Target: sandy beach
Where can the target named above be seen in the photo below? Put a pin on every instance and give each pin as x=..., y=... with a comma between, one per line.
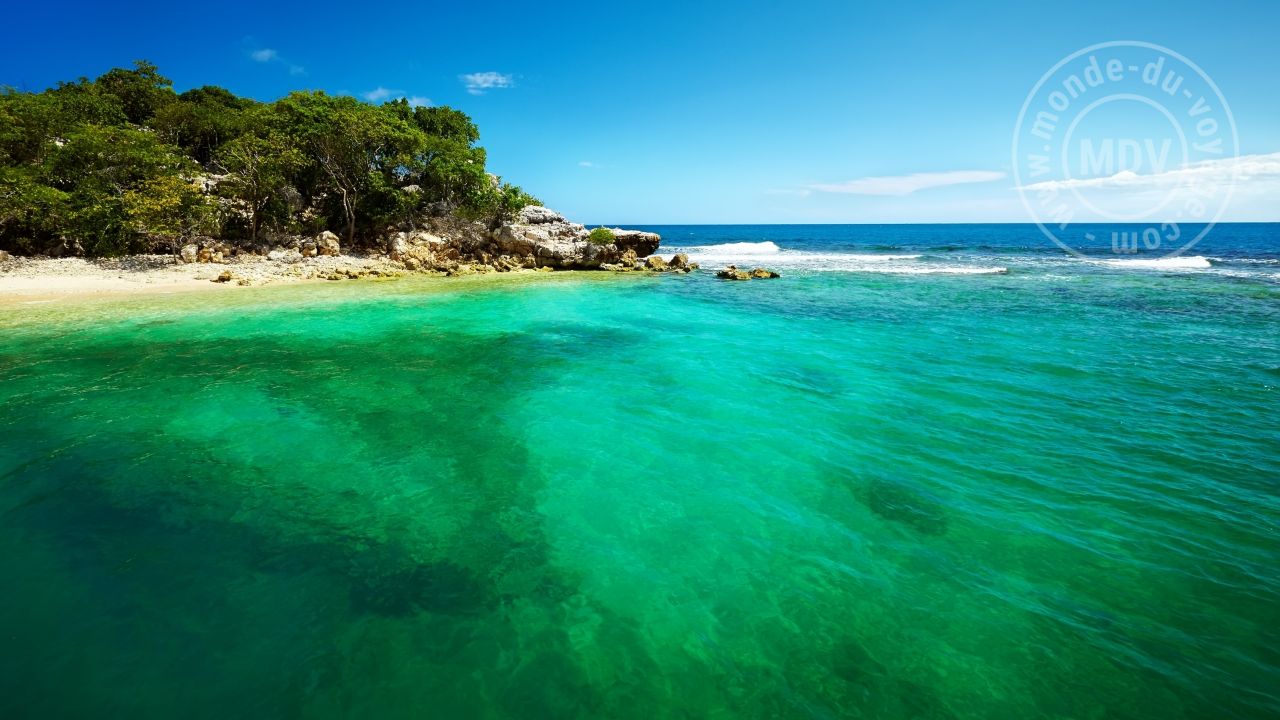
x=29, y=280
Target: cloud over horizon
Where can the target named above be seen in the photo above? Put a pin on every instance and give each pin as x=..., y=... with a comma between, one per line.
x=479, y=82
x=1244, y=171
x=907, y=184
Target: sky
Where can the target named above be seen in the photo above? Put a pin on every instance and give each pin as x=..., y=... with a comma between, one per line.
x=683, y=112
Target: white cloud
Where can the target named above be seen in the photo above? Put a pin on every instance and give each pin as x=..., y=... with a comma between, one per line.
x=419, y=101
x=380, y=93
x=907, y=184
x=1244, y=171
x=270, y=55
x=586, y=163
x=478, y=83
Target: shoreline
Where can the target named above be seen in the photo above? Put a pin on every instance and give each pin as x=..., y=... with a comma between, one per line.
x=43, y=281
x=32, y=281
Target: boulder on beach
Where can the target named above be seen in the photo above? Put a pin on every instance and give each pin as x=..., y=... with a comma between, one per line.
x=327, y=244
x=189, y=253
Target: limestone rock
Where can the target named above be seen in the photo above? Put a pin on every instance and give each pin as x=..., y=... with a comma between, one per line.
x=733, y=273
x=538, y=215
x=290, y=255
x=679, y=261
x=189, y=253
x=763, y=274
x=327, y=244
x=5, y=256
x=308, y=248
x=224, y=276
x=643, y=243
x=545, y=236
x=654, y=262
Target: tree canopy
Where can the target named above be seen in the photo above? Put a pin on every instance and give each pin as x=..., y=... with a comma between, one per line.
x=124, y=164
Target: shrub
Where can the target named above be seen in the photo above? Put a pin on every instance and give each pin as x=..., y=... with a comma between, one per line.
x=602, y=236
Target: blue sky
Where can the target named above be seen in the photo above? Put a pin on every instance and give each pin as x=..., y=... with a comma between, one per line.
x=669, y=112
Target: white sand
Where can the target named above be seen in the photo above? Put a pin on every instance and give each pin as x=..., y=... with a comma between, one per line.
x=27, y=280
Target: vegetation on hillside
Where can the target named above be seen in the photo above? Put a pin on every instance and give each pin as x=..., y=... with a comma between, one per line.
x=123, y=164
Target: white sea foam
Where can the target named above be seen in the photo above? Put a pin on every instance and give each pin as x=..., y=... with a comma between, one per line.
x=750, y=254
x=1195, y=262
x=738, y=248
x=1246, y=261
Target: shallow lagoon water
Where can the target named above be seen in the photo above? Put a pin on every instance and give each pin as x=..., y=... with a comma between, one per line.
x=1047, y=493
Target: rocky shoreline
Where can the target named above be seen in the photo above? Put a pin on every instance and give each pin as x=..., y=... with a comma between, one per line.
x=536, y=240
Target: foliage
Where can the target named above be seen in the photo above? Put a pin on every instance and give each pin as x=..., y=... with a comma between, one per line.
x=124, y=164
x=259, y=167
x=602, y=236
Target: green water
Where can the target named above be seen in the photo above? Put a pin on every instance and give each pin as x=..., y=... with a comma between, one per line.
x=830, y=495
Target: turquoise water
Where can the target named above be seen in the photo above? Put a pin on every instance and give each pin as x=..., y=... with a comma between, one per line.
x=875, y=493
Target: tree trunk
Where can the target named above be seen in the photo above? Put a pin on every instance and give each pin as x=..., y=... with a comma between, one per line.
x=349, y=204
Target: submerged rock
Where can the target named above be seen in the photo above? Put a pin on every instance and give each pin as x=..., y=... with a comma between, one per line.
x=733, y=273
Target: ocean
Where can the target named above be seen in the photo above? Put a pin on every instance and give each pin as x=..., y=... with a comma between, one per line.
x=933, y=471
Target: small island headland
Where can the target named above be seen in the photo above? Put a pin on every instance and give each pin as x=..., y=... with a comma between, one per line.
x=121, y=184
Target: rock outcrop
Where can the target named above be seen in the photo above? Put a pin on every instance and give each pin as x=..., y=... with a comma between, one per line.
x=733, y=273
x=537, y=238
x=552, y=241
x=643, y=243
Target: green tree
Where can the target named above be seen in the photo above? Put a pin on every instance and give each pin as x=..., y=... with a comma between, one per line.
x=200, y=121
x=355, y=147
x=142, y=91
x=259, y=167
x=31, y=213
x=166, y=209
x=97, y=167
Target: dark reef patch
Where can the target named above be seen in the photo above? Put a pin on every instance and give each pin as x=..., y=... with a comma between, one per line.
x=904, y=502
x=438, y=587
